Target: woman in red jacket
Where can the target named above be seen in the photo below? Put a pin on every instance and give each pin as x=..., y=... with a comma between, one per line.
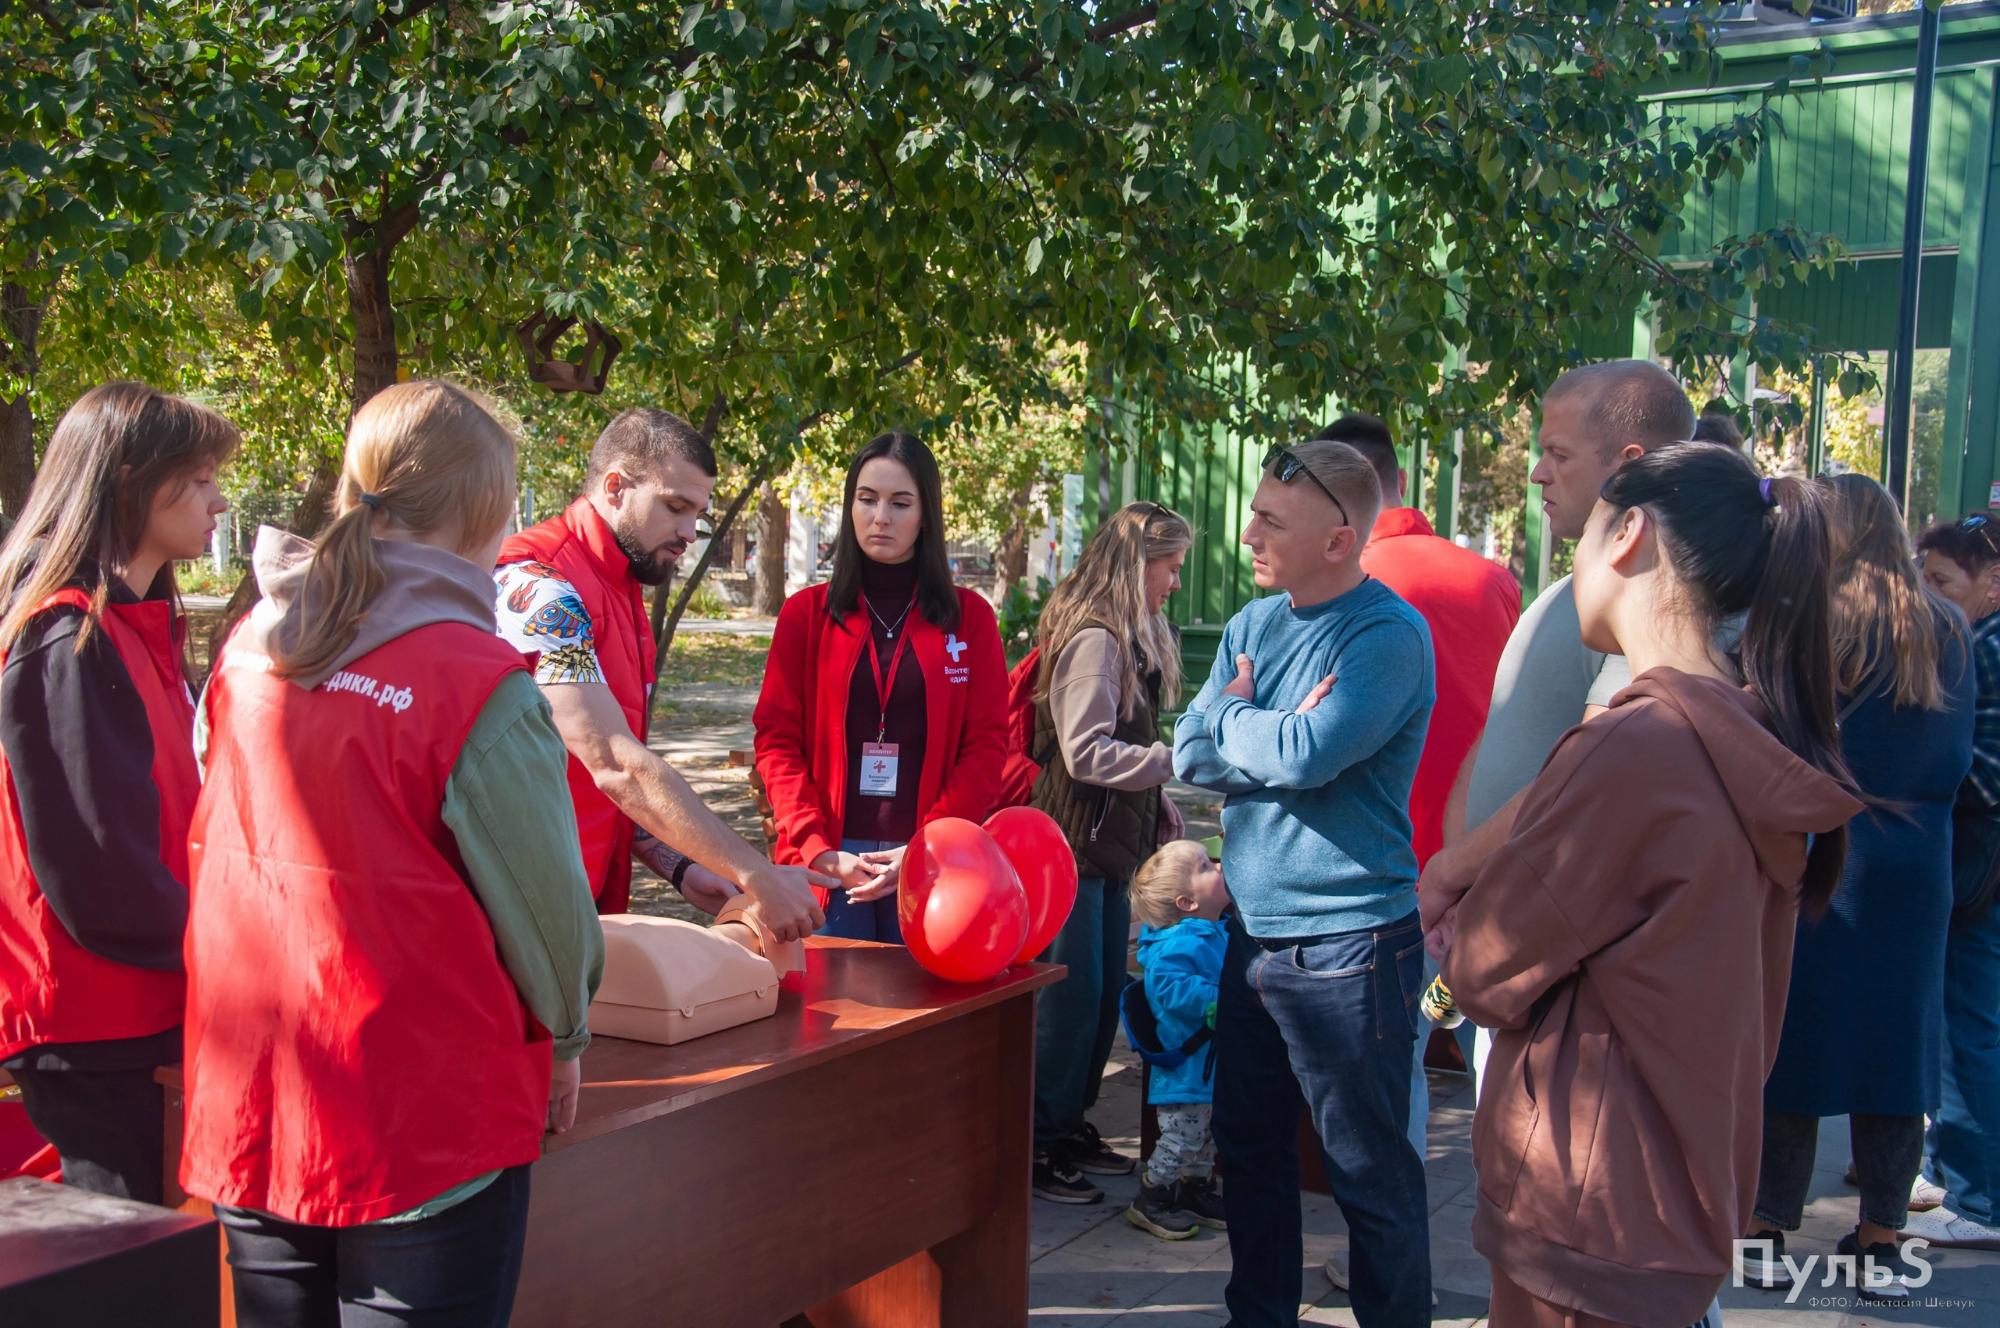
x=97, y=775
x=392, y=946
x=885, y=696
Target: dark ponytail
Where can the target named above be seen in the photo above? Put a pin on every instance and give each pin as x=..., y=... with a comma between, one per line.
x=1760, y=548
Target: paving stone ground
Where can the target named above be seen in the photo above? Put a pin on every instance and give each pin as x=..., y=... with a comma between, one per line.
x=1091, y=1269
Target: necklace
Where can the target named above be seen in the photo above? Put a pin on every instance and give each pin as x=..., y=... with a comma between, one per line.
x=889, y=629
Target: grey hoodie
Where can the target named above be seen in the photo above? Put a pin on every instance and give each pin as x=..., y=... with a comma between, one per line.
x=424, y=585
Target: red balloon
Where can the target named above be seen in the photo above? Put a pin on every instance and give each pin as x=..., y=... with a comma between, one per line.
x=960, y=904
x=1034, y=843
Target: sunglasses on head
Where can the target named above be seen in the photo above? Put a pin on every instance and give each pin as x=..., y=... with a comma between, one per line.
x=1285, y=467
x=1982, y=525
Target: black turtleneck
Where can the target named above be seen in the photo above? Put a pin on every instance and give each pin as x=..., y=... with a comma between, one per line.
x=887, y=590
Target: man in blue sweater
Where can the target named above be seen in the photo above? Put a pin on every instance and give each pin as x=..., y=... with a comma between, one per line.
x=1311, y=724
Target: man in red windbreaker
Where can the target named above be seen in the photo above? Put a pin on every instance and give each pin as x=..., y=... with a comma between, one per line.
x=572, y=599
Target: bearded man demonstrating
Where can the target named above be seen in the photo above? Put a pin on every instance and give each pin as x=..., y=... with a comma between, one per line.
x=572, y=599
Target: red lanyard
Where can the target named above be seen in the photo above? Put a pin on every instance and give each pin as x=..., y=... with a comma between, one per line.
x=883, y=685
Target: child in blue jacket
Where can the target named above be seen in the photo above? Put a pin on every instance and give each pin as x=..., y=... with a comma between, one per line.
x=1179, y=895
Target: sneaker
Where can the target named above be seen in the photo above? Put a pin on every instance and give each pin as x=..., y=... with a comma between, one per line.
x=1760, y=1261
x=1086, y=1151
x=1202, y=1201
x=1153, y=1210
x=1940, y=1226
x=1336, y=1273
x=1924, y=1196
x=1879, y=1270
x=1059, y=1182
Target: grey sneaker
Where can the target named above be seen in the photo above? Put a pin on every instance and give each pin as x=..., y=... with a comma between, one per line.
x=1059, y=1182
x=1154, y=1211
x=1760, y=1261
x=1879, y=1270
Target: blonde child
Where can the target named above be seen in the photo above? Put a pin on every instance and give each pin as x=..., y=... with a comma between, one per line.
x=1179, y=896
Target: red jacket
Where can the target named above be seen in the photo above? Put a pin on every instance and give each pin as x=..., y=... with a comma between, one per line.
x=580, y=547
x=801, y=718
x=1471, y=606
x=355, y=1046
x=51, y=988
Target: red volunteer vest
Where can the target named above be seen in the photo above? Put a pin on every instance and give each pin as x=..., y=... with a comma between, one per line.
x=354, y=1044
x=581, y=550
x=51, y=988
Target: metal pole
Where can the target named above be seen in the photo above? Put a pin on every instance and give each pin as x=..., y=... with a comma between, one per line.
x=1902, y=363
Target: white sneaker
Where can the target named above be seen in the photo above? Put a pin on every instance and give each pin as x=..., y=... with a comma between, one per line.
x=1925, y=1196
x=1940, y=1226
x=1336, y=1273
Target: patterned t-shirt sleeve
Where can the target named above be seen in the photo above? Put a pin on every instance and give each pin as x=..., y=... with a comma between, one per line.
x=542, y=615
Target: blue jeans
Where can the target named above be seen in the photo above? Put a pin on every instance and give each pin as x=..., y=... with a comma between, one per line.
x=875, y=920
x=1076, y=1020
x=1963, y=1152
x=1326, y=1023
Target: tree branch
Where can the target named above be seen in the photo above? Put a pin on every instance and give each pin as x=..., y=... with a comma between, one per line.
x=1099, y=35
x=713, y=420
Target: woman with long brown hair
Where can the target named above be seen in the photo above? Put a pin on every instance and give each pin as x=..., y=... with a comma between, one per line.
x=392, y=946
x=1631, y=941
x=1110, y=663
x=1864, y=1019
x=97, y=775
x=884, y=699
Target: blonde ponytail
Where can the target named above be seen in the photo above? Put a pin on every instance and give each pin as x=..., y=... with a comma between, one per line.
x=428, y=458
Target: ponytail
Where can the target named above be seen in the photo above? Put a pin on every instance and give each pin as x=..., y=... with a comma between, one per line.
x=1759, y=548
x=344, y=577
x=428, y=456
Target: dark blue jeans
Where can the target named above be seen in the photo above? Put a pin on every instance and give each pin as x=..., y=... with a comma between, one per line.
x=1326, y=1023
x=458, y=1269
x=1077, y=1019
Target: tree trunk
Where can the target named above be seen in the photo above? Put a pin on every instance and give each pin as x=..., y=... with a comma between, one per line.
x=1010, y=567
x=723, y=527
x=739, y=548
x=772, y=529
x=20, y=328
x=374, y=315
x=373, y=311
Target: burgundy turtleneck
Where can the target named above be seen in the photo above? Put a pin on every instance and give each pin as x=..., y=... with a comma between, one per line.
x=887, y=589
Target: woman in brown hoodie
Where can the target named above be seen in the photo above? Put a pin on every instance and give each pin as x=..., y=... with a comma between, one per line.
x=1632, y=941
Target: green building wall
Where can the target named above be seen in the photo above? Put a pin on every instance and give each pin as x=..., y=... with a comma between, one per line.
x=1840, y=167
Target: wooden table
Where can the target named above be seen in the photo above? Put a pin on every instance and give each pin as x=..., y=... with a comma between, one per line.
x=859, y=1158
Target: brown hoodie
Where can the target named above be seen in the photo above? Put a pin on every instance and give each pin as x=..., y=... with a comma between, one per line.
x=421, y=586
x=1632, y=943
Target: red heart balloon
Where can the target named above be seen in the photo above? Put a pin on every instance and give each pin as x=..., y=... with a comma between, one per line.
x=1034, y=843
x=960, y=904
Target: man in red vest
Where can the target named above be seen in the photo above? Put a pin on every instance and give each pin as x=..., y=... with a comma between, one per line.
x=572, y=599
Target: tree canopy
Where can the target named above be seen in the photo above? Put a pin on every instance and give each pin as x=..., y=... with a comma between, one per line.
x=809, y=219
